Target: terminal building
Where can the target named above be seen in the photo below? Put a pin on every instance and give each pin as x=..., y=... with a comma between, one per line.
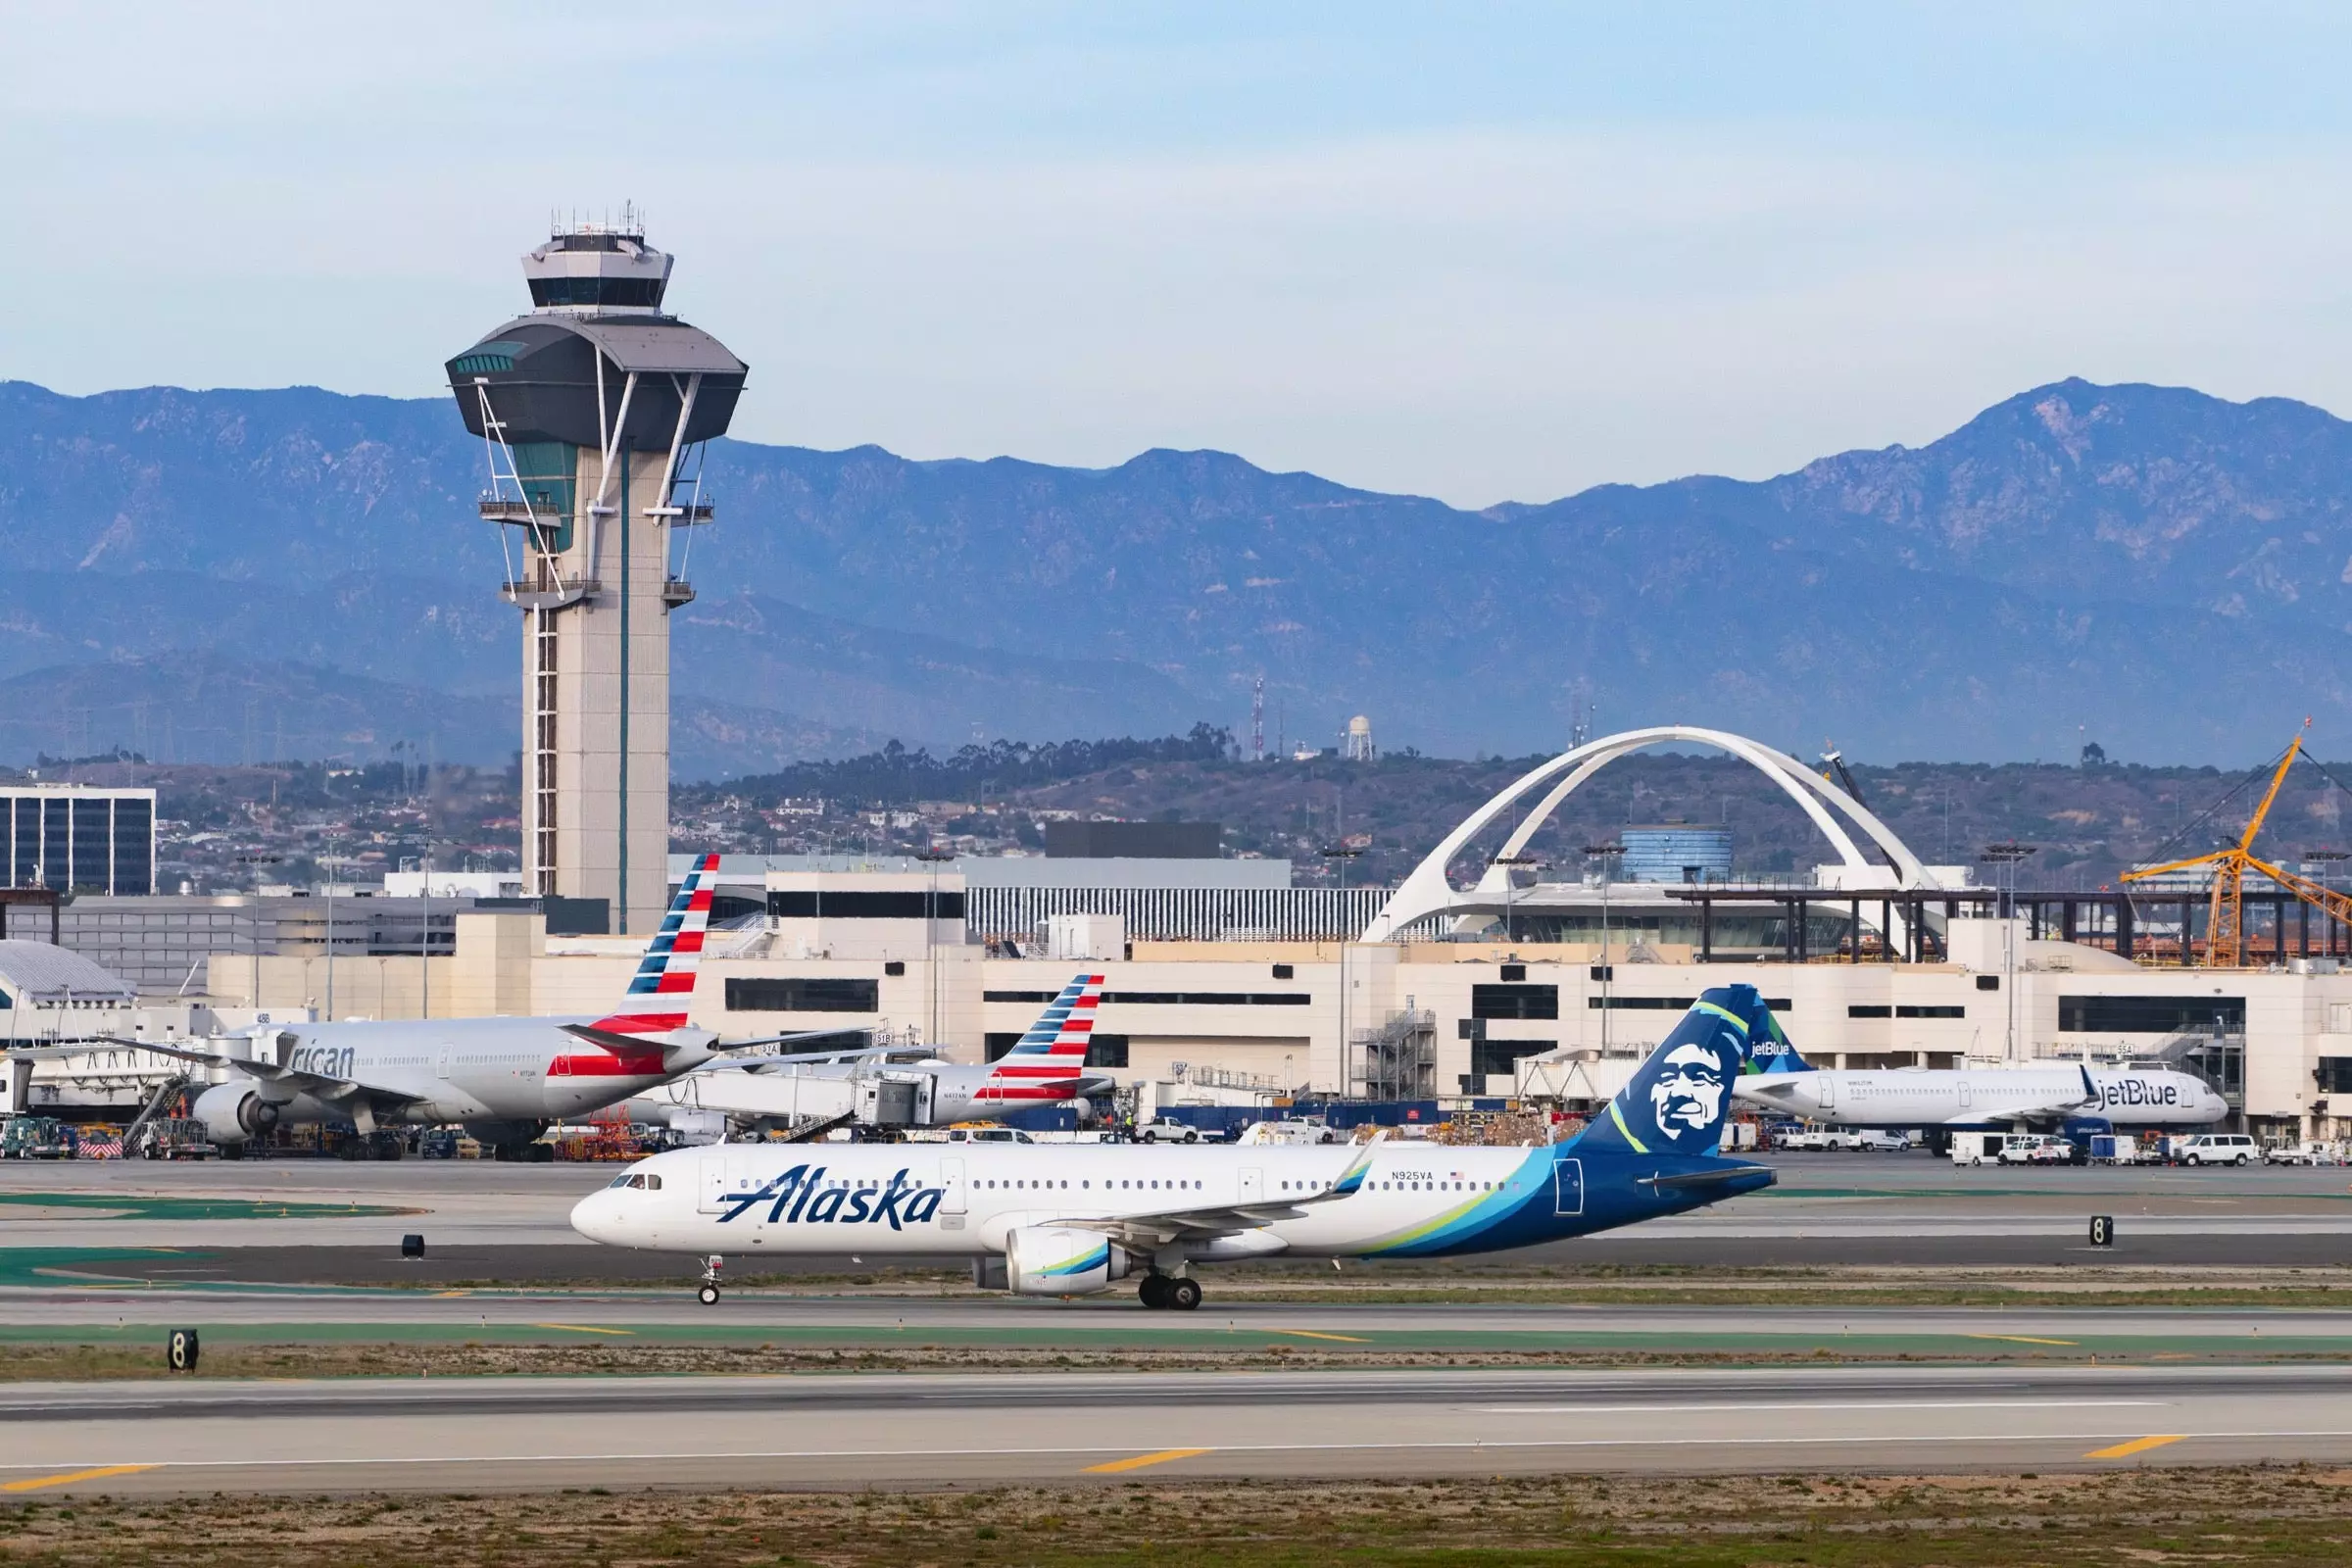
x=1225, y=985
x=77, y=838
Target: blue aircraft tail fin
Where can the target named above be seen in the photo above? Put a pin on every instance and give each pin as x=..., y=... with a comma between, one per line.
x=1676, y=1101
x=1770, y=1050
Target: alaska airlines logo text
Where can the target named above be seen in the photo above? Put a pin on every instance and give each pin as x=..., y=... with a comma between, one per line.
x=800, y=1197
x=2138, y=1091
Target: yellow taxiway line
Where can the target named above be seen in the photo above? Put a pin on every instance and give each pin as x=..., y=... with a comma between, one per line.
x=2125, y=1451
x=1139, y=1462
x=36, y=1483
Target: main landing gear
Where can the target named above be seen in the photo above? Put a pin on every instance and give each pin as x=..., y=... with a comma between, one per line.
x=709, y=1293
x=1165, y=1293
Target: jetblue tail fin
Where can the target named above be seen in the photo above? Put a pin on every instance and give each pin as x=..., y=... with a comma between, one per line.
x=1044, y=1064
x=1676, y=1101
x=663, y=988
x=1770, y=1050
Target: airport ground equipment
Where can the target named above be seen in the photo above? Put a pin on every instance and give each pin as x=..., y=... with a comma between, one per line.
x=1074, y=1219
x=593, y=410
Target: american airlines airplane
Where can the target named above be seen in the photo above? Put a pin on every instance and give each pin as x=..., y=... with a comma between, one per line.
x=1072, y=1219
x=506, y=1078
x=1046, y=1067
x=1979, y=1097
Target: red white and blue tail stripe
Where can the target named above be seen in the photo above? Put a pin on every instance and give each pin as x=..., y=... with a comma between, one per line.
x=1047, y=1060
x=664, y=978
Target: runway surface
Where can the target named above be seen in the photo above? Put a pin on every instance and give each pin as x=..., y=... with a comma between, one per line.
x=910, y=1431
x=1114, y=1321
x=315, y=1221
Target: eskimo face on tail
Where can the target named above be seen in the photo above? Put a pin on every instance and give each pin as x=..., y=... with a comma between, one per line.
x=1675, y=1101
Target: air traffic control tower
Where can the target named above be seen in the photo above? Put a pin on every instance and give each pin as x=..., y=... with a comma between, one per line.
x=593, y=409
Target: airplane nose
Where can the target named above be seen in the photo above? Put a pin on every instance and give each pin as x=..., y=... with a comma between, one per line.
x=593, y=1216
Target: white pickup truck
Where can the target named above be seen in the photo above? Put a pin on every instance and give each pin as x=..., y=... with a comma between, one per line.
x=1822, y=1138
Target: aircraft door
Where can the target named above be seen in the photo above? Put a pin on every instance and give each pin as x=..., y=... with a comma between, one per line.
x=951, y=1181
x=722, y=1174
x=1254, y=1184
x=1966, y=1100
x=1567, y=1187
x=1829, y=1091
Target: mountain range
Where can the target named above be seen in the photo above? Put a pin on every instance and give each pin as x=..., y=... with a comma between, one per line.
x=228, y=574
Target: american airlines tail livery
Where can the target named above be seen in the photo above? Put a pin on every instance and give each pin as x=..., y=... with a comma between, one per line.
x=1046, y=1067
x=1073, y=1219
x=506, y=1078
x=1979, y=1097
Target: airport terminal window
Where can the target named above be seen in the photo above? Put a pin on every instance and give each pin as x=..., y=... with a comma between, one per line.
x=1669, y=1004
x=2151, y=1015
x=1169, y=999
x=1514, y=1001
x=1502, y=1056
x=2334, y=1075
x=1931, y=1012
x=803, y=996
x=806, y=904
x=1869, y=1010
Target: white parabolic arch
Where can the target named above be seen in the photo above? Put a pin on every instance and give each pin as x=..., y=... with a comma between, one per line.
x=1426, y=892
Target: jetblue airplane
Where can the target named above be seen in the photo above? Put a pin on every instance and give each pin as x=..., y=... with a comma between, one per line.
x=1046, y=1067
x=506, y=1078
x=1072, y=1219
x=1992, y=1097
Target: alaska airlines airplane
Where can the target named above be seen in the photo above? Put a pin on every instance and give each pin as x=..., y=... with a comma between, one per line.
x=1980, y=1096
x=1046, y=1067
x=1071, y=1219
x=506, y=1078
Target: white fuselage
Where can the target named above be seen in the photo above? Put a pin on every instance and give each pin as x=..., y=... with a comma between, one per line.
x=964, y=1199
x=437, y=1070
x=1986, y=1097
x=804, y=1091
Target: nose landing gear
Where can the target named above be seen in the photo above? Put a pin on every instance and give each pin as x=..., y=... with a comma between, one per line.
x=709, y=1293
x=1165, y=1293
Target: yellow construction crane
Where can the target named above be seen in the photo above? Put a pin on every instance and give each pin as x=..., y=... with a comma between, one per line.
x=2225, y=912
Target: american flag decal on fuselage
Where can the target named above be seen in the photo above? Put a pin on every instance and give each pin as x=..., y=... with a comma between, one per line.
x=1044, y=1064
x=665, y=974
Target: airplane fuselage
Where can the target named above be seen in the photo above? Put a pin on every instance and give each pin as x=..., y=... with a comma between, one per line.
x=435, y=1071
x=751, y=1199
x=1987, y=1097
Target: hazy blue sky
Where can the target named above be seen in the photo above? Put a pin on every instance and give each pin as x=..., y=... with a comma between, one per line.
x=1480, y=251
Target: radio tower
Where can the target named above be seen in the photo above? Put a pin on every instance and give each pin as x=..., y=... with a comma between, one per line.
x=593, y=409
x=1257, y=719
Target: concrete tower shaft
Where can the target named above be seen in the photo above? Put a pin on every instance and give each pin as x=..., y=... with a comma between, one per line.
x=593, y=410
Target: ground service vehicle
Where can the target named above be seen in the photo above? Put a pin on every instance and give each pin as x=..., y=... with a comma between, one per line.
x=1167, y=1130
x=1975, y=1147
x=2217, y=1148
x=38, y=1137
x=1884, y=1141
x=2309, y=1152
x=1072, y=1219
x=176, y=1138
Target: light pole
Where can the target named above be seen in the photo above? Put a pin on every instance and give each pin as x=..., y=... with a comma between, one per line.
x=1605, y=853
x=1342, y=852
x=2006, y=857
x=931, y=856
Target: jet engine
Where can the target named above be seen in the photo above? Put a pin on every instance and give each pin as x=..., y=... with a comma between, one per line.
x=233, y=1112
x=1050, y=1260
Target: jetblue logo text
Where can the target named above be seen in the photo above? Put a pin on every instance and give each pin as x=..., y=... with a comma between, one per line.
x=2138, y=1091
x=800, y=1196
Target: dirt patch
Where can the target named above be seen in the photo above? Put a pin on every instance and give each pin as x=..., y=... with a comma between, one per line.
x=2272, y=1515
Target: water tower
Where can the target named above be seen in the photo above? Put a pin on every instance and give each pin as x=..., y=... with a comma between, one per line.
x=593, y=409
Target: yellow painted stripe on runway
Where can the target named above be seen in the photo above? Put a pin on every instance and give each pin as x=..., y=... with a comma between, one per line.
x=1141, y=1459
x=586, y=1328
x=2021, y=1339
x=2125, y=1451
x=36, y=1483
x=1311, y=1334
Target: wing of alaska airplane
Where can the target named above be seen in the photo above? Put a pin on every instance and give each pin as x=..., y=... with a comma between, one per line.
x=1142, y=1231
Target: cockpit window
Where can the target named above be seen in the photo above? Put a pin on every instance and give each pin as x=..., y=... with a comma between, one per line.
x=644, y=1181
x=652, y=1183
x=622, y=1180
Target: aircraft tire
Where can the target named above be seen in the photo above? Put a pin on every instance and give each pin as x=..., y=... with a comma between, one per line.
x=1154, y=1292
x=708, y=1295
x=1182, y=1295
